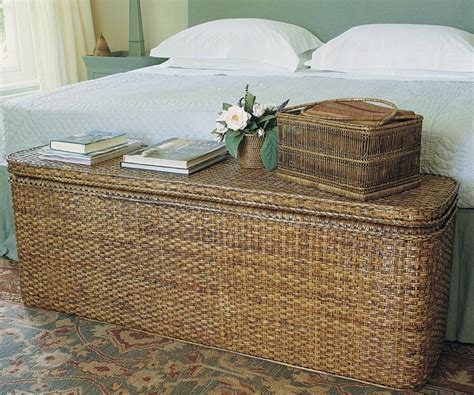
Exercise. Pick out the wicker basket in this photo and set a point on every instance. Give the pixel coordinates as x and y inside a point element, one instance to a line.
<point>351,147</point>
<point>243,261</point>
<point>249,152</point>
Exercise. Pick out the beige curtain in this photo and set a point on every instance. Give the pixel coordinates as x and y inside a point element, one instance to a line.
<point>62,33</point>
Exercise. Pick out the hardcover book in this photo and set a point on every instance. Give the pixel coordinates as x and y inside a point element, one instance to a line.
<point>84,143</point>
<point>93,157</point>
<point>177,152</point>
<point>175,170</point>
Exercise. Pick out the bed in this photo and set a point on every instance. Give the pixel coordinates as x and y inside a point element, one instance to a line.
<point>155,103</point>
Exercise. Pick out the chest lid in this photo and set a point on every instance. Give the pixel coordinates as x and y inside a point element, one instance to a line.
<point>226,183</point>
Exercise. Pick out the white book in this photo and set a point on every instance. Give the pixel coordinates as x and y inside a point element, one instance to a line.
<point>85,143</point>
<point>174,170</point>
<point>91,158</point>
<point>178,153</point>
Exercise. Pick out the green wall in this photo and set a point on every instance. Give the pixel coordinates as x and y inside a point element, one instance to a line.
<point>328,18</point>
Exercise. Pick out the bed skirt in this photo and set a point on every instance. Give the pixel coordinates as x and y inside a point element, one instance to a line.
<point>460,324</point>
<point>7,234</point>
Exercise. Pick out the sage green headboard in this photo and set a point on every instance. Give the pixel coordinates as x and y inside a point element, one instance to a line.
<point>329,18</point>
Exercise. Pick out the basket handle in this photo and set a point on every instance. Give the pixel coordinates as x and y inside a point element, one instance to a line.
<point>382,122</point>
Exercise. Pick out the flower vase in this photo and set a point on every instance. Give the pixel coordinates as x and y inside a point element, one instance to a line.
<point>249,152</point>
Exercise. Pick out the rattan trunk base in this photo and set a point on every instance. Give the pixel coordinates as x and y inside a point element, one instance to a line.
<point>244,261</point>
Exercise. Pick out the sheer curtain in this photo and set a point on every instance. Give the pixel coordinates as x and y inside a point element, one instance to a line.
<point>62,32</point>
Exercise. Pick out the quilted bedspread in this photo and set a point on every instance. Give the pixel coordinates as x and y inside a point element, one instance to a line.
<point>154,106</point>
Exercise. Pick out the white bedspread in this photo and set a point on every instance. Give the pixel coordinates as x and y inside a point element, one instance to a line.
<point>154,104</point>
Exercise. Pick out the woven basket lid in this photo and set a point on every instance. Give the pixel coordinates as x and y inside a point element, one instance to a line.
<point>360,111</point>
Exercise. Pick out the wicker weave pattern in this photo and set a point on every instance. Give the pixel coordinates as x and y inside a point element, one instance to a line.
<point>364,299</point>
<point>249,152</point>
<point>362,160</point>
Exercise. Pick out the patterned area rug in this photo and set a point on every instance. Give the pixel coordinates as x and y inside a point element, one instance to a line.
<point>49,353</point>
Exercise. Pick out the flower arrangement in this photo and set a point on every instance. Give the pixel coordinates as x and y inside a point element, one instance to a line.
<point>249,117</point>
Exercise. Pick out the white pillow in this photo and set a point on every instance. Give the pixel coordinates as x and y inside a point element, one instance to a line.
<point>220,64</point>
<point>231,64</point>
<point>259,40</point>
<point>382,48</point>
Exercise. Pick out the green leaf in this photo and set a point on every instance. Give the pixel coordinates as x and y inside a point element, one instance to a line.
<point>266,118</point>
<point>252,126</point>
<point>232,141</point>
<point>249,102</point>
<point>270,124</point>
<point>269,150</point>
<point>226,106</point>
<point>265,122</point>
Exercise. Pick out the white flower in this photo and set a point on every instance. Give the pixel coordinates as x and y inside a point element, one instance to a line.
<point>220,127</point>
<point>236,118</point>
<point>222,115</point>
<point>219,137</point>
<point>261,132</point>
<point>270,107</point>
<point>258,110</point>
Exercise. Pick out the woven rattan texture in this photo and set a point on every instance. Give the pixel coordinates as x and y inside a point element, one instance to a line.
<point>358,160</point>
<point>333,293</point>
<point>249,152</point>
<point>226,182</point>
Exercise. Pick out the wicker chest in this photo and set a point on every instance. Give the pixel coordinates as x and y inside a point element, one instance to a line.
<point>244,261</point>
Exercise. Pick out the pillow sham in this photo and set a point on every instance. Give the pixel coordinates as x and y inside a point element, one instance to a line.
<point>383,48</point>
<point>220,64</point>
<point>231,64</point>
<point>259,40</point>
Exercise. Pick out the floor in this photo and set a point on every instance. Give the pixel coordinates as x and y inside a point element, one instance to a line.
<point>49,353</point>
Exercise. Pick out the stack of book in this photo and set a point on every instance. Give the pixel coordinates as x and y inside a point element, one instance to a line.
<point>90,148</point>
<point>177,155</point>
